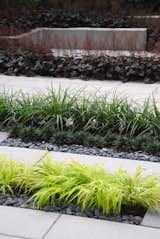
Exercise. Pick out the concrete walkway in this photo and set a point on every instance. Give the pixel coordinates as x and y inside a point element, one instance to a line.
<point>32,224</point>
<point>31,85</point>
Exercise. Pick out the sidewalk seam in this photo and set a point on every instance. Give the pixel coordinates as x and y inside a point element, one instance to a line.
<point>52,225</point>
<point>142,225</point>
<point>15,236</point>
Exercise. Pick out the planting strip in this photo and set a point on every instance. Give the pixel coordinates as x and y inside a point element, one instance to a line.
<point>110,164</point>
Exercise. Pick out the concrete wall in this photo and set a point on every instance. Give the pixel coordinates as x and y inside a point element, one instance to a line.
<point>83,38</point>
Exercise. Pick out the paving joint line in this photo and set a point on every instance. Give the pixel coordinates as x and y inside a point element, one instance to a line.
<point>52,225</point>
<point>15,236</point>
<point>154,227</point>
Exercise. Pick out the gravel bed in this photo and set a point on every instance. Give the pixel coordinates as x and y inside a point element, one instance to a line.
<point>128,215</point>
<point>78,149</point>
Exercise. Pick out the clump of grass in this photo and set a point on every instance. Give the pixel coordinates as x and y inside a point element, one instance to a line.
<point>62,117</point>
<point>92,186</point>
<point>14,176</point>
<point>48,182</point>
<point>62,111</point>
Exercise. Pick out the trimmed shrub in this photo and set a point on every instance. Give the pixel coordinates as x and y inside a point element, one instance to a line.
<point>141,3</point>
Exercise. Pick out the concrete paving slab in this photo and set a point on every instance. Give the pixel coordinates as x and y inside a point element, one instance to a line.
<point>152,219</point>
<point>22,154</point>
<point>41,85</point>
<point>110,164</point>
<point>3,136</point>
<point>140,91</point>
<point>18,222</point>
<point>84,228</point>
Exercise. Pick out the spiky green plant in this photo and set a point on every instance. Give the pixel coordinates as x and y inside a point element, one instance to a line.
<point>56,114</point>
<point>14,175</point>
<point>72,182</point>
<point>91,186</point>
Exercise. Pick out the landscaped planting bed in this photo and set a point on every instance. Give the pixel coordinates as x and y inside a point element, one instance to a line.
<point>79,189</point>
<point>15,24</point>
<point>143,69</point>
<point>61,118</point>
<point>134,68</point>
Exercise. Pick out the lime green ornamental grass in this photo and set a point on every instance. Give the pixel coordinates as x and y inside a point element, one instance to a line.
<point>86,185</point>
<point>92,186</point>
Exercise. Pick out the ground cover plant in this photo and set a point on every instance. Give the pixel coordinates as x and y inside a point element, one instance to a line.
<point>99,67</point>
<point>66,118</point>
<point>69,181</point>
<point>101,5</point>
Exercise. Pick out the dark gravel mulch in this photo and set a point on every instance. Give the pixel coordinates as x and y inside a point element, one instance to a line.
<point>143,69</point>
<point>128,215</point>
<point>78,149</point>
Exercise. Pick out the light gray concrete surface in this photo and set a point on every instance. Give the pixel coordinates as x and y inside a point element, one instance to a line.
<point>152,219</point>
<point>76,53</point>
<point>110,164</point>
<point>33,224</point>
<point>3,136</point>
<point>83,38</point>
<point>22,154</point>
<point>41,85</point>
<point>25,223</point>
<point>84,228</point>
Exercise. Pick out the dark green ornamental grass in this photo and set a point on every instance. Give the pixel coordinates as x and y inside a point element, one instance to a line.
<point>64,118</point>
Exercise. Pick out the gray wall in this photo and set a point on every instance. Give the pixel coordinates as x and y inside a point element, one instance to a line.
<point>84,38</point>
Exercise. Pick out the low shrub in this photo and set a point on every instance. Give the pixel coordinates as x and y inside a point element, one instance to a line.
<point>57,4</point>
<point>141,69</point>
<point>102,5</point>
<point>86,185</point>
<point>142,4</point>
<point>19,4</point>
